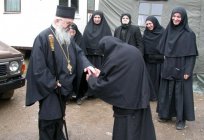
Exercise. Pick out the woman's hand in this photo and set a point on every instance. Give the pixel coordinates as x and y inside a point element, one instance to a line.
<point>96,74</point>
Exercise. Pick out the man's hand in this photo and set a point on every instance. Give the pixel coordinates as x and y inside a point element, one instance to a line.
<point>186,76</point>
<point>90,70</point>
<point>58,84</point>
<point>96,74</point>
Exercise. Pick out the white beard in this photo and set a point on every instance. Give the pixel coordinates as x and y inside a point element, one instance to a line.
<point>62,36</point>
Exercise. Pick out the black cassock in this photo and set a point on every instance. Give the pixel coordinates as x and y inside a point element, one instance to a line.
<point>41,79</point>
<point>178,44</point>
<point>123,83</point>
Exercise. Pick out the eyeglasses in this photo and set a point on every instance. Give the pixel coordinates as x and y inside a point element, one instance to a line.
<point>68,21</point>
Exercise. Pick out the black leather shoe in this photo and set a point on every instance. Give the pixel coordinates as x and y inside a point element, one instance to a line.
<point>164,119</point>
<point>180,125</point>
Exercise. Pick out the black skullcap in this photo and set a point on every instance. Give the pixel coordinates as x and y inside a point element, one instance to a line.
<point>65,12</point>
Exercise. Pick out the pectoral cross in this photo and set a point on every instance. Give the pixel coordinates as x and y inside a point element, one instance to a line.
<point>69,67</point>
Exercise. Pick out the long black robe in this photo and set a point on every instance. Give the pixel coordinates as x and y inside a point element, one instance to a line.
<point>83,87</point>
<point>41,79</point>
<point>178,44</point>
<point>123,83</point>
<point>130,34</point>
<point>92,35</point>
<point>152,56</point>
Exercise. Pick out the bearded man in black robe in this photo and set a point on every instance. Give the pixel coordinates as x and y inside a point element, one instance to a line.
<point>123,83</point>
<point>178,44</point>
<point>129,33</point>
<point>42,72</point>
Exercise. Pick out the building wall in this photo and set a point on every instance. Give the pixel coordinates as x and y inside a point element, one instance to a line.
<point>81,17</point>
<point>36,15</point>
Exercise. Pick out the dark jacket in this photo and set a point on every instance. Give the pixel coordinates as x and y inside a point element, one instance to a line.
<point>133,36</point>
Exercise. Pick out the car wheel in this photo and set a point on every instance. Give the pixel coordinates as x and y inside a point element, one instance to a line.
<point>7,95</point>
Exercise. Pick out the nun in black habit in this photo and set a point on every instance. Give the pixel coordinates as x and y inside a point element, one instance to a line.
<point>42,72</point>
<point>123,83</point>
<point>96,28</point>
<point>153,59</point>
<point>178,45</point>
<point>77,37</point>
<point>129,33</point>
<point>75,33</point>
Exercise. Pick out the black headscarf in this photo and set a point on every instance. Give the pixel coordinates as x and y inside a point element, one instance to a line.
<point>151,38</point>
<point>179,40</point>
<point>78,35</point>
<point>93,32</point>
<point>125,25</point>
<point>123,79</point>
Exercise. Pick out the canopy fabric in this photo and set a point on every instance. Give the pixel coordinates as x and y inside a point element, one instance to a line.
<point>114,8</point>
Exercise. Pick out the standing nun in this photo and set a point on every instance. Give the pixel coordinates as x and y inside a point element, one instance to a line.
<point>75,33</point>
<point>153,59</point>
<point>178,45</point>
<point>96,28</point>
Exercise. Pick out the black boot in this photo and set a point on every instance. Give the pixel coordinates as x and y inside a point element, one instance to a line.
<point>81,100</point>
<point>180,125</point>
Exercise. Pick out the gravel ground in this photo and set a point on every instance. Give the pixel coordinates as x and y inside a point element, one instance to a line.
<point>93,120</point>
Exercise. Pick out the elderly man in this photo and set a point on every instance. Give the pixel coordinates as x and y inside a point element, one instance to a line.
<point>47,74</point>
